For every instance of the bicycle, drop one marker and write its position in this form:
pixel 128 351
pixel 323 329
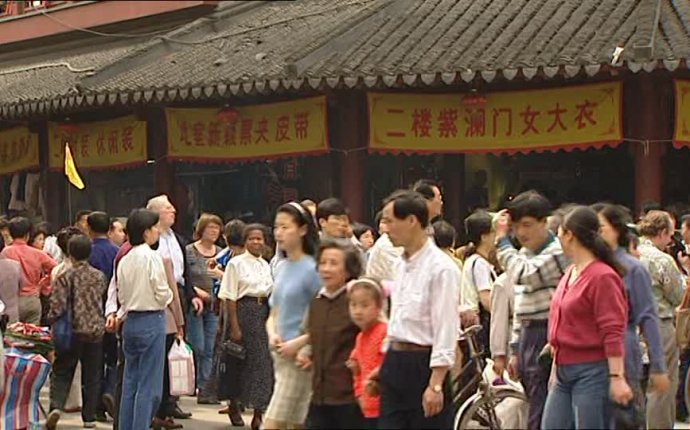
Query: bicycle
pixel 479 411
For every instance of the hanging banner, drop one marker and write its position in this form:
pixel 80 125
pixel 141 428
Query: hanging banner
pixel 248 132
pixel 18 150
pixel 110 144
pixel 516 121
pixel 681 135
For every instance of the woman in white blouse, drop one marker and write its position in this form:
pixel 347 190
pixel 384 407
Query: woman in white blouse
pixel 144 294
pixel 245 288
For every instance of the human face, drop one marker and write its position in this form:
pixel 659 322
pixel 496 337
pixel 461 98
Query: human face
pixel 364 311
pixel 435 205
pixel 332 269
pixel 335 225
pixel 39 241
pixel 607 232
pixel 82 224
pixel 117 233
pixel 685 232
pixel 665 237
pixel 167 216
pixel 367 239
pixel 567 239
pixel 531 232
pixel 255 243
pixel 400 231
pixel 152 235
pixel 211 233
pixel 287 233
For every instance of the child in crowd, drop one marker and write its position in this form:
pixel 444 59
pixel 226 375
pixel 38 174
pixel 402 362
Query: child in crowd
pixel 366 305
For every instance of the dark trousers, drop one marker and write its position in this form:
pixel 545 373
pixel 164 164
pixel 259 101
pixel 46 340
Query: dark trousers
pixel 120 376
pixel 404 377
pixel 335 417
pixel 681 408
pixel 109 381
pixel 167 406
pixel 534 376
pixel 90 355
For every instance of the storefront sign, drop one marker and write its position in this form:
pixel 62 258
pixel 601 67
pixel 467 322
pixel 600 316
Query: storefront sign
pixel 550 119
pixel 252 132
pixel 99 145
pixel 681 136
pixel 18 150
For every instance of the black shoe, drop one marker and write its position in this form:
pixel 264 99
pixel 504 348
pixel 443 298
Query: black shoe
pixel 101 417
pixel 109 404
pixel 207 401
pixel 179 414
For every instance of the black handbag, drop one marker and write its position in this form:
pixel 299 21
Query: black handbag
pixel 228 366
pixel 230 349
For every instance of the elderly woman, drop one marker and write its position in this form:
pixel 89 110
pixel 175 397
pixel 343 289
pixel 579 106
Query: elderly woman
pixel 201 327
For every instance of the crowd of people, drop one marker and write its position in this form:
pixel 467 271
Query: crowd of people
pixel 323 322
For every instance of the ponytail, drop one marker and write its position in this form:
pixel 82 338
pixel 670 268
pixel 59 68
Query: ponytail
pixel 603 252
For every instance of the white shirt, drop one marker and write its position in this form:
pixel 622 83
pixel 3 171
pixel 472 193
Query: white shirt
pixel 246 275
pixel 383 258
pixel 141 281
pixel 425 303
pixel 477 275
pixel 169 247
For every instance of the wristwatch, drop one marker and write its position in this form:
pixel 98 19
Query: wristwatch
pixel 436 388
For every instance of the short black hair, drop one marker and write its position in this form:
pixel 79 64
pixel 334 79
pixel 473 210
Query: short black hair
pixel 41 228
pixel 234 232
pixel 425 187
pixel 406 203
pixel 81 214
pixel 359 229
pixel 444 234
pixel 79 247
pixel 63 237
pixel 99 222
pixel 353 259
pixel 529 204
pixel 121 221
pixel 19 227
pixel 330 207
pixel 138 222
pixel 619 218
pixel 254 227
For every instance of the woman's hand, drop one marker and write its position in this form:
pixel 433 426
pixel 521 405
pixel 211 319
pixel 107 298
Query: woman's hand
pixel 303 361
pixel 288 349
pixel 235 334
pixel 215 273
pixel 620 390
pixel 274 340
pixel 660 382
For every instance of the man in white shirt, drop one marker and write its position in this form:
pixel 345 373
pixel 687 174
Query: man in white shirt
pixel 423 326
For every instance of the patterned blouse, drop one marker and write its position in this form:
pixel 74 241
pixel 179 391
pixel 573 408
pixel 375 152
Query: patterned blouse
pixel 667 282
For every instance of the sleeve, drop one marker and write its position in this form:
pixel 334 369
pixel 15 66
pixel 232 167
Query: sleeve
pixel 499 334
pixel 481 272
pixel 444 319
pixel 673 285
pixel 58 299
pixel 610 312
pixel 468 293
pixel 111 301
pixel 229 285
pixel 47 264
pixel 643 306
pixel 159 281
pixel 535 272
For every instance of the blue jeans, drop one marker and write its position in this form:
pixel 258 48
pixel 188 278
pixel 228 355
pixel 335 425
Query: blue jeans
pixel 201 334
pixel 580 398
pixel 143 337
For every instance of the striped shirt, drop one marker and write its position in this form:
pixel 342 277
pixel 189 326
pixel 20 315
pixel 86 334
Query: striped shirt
pixel 425 303
pixel 535 276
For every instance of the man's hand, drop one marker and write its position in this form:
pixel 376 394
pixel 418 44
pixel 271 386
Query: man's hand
pixel 432 402
pixel 180 334
pixel 111 323
pixel 469 318
pixel 499 365
pixel 502 224
pixel 371 384
pixel 660 382
pixel 513 368
pixel 198 305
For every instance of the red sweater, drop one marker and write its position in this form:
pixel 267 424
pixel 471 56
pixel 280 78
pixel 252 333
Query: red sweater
pixel 588 318
pixel 368 353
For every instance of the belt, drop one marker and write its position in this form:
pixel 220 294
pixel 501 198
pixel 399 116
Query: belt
pixel 260 300
pixel 535 323
pixel 409 347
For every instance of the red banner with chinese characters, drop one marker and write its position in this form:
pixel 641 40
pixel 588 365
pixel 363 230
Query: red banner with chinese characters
pixel 681 136
pixel 516 121
pixel 18 150
pixel 110 144
pixel 248 132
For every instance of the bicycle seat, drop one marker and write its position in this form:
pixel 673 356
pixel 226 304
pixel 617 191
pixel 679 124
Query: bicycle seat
pixel 469 332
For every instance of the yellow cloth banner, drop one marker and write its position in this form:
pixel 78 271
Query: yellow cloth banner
pixel 550 119
pixel 256 132
pixel 18 150
pixel 681 136
pixel 71 170
pixel 99 145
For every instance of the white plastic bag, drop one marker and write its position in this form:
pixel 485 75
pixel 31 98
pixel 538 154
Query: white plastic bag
pixel 181 363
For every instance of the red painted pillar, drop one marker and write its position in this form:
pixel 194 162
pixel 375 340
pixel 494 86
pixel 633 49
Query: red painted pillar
pixel 648 173
pixel 350 138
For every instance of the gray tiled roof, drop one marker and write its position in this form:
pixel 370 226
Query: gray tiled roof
pixel 257 47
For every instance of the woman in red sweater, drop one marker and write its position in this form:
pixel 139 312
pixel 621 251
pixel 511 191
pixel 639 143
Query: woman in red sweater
pixel 586 330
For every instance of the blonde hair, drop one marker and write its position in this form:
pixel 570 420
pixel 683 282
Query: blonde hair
pixel 205 220
pixel 654 222
pixel 158 202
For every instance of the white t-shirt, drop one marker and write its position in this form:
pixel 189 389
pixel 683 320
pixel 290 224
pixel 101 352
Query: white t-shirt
pixel 477 275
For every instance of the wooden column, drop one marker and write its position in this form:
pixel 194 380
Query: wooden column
pixel 54 184
pixel 349 136
pixel 157 136
pixel 649 117
pixel 453 188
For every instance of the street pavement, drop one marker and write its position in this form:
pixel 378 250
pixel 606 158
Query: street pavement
pixel 203 417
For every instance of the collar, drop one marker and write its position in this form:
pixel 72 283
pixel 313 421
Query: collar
pixel 549 240
pixel 100 240
pixel 20 242
pixel 414 258
pixel 330 296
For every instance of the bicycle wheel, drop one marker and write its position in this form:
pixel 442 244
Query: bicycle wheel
pixel 498 410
